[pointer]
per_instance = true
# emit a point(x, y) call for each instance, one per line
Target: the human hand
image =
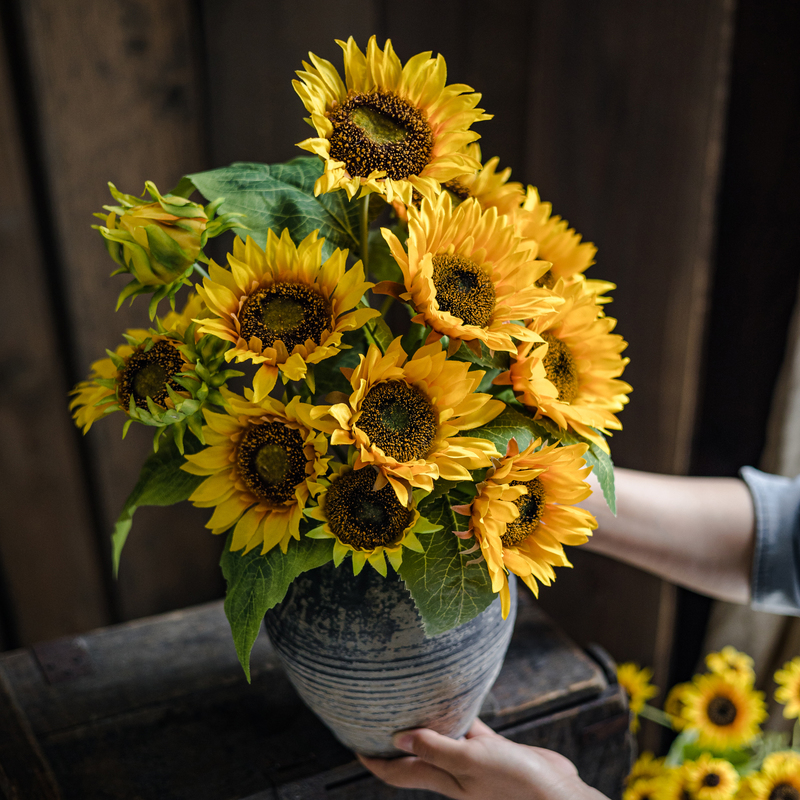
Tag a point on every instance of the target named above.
point(483, 766)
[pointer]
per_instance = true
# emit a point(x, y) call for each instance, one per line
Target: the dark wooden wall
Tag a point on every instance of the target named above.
point(616, 110)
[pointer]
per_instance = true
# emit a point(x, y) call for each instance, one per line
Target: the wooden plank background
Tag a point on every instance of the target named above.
point(616, 110)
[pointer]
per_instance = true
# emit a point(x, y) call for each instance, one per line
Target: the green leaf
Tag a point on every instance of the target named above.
point(498, 360)
point(604, 470)
point(382, 266)
point(278, 196)
point(256, 583)
point(161, 482)
point(445, 590)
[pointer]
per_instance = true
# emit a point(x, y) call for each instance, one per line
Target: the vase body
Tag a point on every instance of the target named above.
point(355, 651)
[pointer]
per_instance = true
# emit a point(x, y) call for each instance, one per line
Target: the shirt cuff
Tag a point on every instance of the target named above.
point(775, 585)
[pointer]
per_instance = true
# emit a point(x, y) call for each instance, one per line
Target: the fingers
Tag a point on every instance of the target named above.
point(432, 747)
point(413, 773)
point(480, 728)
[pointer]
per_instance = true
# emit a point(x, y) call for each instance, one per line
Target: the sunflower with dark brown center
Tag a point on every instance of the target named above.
point(366, 522)
point(778, 778)
point(525, 513)
point(391, 128)
point(709, 778)
point(148, 372)
point(404, 418)
point(282, 307)
point(572, 375)
point(262, 466)
point(725, 712)
point(469, 276)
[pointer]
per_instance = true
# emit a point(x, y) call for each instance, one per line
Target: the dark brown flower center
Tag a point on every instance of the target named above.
point(380, 131)
point(712, 779)
point(291, 312)
point(463, 289)
point(784, 791)
point(547, 281)
point(148, 372)
point(362, 517)
point(271, 461)
point(531, 507)
point(457, 189)
point(721, 710)
point(399, 419)
point(562, 372)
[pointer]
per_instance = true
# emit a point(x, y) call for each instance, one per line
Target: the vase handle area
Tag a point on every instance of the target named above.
point(355, 650)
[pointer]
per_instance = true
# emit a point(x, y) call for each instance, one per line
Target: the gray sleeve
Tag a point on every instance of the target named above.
point(776, 559)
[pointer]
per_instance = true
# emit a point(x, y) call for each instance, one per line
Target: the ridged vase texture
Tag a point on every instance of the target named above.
point(355, 650)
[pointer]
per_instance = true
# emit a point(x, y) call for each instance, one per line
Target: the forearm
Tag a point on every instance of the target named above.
point(696, 532)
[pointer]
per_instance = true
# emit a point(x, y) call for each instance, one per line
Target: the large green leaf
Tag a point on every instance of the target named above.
point(487, 359)
point(278, 196)
point(256, 583)
point(512, 423)
point(446, 591)
point(161, 482)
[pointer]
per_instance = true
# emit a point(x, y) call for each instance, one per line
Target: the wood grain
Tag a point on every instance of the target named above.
point(118, 97)
point(47, 548)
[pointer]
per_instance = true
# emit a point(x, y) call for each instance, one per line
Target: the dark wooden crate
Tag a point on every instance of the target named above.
point(159, 708)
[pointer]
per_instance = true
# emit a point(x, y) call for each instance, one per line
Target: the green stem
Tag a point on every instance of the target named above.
point(796, 735)
point(386, 305)
point(364, 221)
point(656, 715)
point(200, 270)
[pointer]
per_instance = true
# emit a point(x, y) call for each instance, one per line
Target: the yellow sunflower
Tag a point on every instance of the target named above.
point(729, 661)
point(645, 789)
point(559, 244)
point(573, 377)
point(388, 128)
point(370, 524)
point(725, 713)
point(711, 778)
point(404, 417)
point(282, 307)
point(673, 785)
point(647, 766)
point(525, 513)
point(788, 691)
point(778, 779)
point(142, 371)
point(263, 465)
point(468, 276)
point(675, 703)
point(636, 683)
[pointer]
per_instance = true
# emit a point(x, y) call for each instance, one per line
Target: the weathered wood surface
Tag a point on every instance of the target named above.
point(166, 712)
point(48, 553)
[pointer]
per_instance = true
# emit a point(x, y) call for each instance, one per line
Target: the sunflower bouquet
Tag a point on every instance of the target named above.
point(720, 752)
point(400, 364)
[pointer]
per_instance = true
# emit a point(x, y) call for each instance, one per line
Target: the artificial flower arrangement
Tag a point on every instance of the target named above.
point(449, 439)
point(720, 752)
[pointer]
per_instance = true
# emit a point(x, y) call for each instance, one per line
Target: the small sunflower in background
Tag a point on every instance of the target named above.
point(261, 467)
point(733, 663)
point(405, 417)
point(674, 784)
point(778, 778)
point(636, 683)
point(468, 276)
point(282, 307)
point(675, 703)
point(151, 377)
point(388, 128)
point(572, 374)
point(647, 766)
point(645, 789)
point(525, 513)
point(369, 524)
point(726, 713)
point(709, 778)
point(788, 691)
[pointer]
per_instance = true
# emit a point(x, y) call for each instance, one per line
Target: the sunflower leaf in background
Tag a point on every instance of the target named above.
point(511, 424)
point(446, 591)
point(278, 196)
point(382, 266)
point(604, 471)
point(486, 359)
point(257, 583)
point(161, 483)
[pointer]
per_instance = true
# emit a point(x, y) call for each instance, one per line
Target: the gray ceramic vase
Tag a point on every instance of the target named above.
point(355, 651)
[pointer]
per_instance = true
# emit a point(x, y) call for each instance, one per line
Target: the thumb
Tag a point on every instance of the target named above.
point(431, 747)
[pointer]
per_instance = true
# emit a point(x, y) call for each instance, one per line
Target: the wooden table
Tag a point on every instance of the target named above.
point(159, 708)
